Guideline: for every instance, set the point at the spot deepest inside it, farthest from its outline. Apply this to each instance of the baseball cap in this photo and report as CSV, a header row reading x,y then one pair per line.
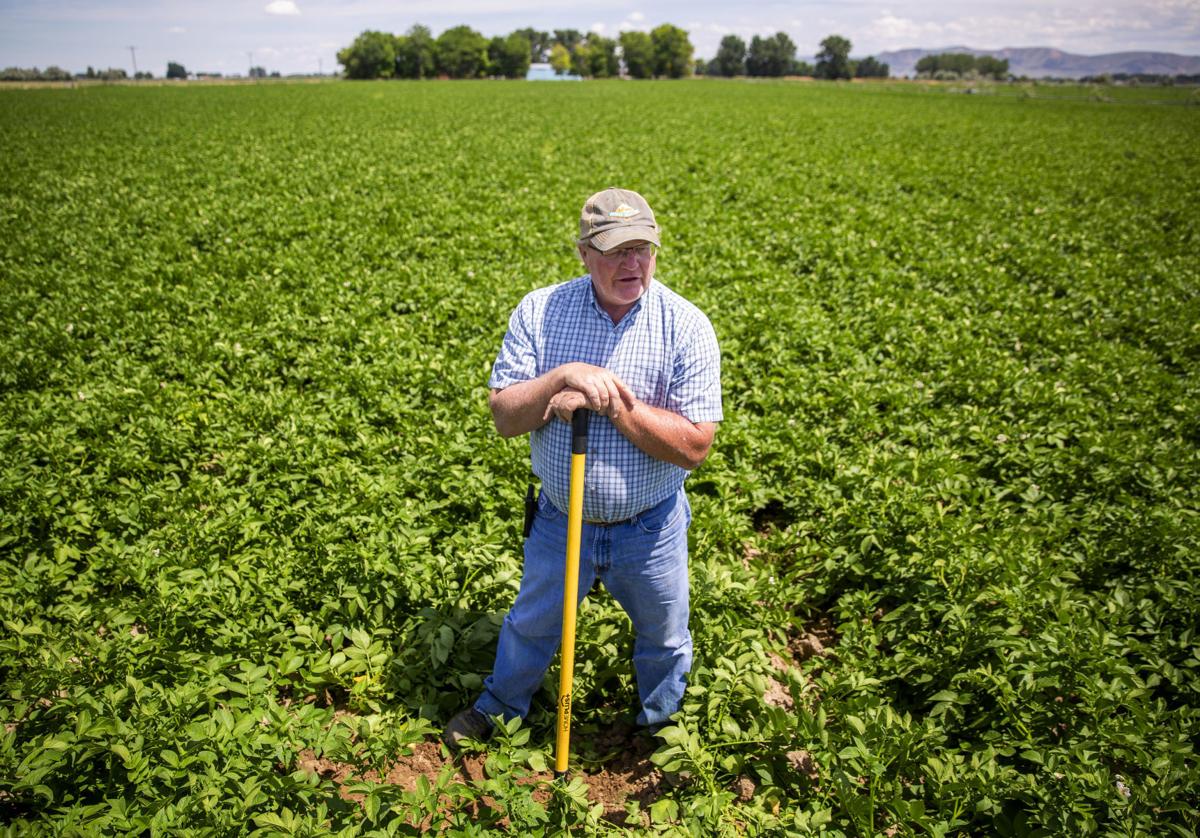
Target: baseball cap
x,y
614,216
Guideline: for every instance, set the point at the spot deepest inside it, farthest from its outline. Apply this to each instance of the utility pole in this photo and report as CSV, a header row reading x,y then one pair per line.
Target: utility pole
x,y
320,67
133,54
250,63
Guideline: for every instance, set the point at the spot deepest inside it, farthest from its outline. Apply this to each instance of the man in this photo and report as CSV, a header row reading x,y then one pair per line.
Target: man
x,y
646,362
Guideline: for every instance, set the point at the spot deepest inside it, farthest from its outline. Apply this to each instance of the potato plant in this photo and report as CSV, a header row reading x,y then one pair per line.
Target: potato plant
x,y
253,503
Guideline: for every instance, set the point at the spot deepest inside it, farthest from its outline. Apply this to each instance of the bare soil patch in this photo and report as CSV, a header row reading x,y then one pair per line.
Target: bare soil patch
x,y
627,774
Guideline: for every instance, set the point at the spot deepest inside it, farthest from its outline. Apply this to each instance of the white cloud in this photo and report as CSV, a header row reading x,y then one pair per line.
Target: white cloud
x,y
282,7
598,28
901,31
637,17
177,30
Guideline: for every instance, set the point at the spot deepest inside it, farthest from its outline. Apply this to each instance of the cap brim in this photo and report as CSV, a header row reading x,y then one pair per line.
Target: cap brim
x,y
617,236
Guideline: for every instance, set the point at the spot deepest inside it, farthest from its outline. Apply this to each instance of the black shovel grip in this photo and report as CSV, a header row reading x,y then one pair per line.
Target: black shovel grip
x,y
579,429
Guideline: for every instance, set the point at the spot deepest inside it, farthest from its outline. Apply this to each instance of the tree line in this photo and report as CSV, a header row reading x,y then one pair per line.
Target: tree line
x,y
665,52
959,65
56,73
775,55
463,53
175,70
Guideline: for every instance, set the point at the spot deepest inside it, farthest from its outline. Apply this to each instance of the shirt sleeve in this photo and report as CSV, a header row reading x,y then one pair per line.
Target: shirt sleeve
x,y
695,391
517,360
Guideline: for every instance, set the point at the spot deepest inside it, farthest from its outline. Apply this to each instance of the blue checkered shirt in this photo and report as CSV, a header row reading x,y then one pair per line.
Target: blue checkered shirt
x,y
664,349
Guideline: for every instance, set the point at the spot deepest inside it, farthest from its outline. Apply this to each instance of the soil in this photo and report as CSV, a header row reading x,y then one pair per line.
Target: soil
x,y
626,776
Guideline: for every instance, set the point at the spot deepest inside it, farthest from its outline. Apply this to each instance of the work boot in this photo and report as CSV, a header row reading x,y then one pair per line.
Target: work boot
x,y
468,724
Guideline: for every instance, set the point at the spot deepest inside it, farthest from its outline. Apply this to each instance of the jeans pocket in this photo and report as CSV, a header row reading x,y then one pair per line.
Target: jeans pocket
x,y
546,510
658,518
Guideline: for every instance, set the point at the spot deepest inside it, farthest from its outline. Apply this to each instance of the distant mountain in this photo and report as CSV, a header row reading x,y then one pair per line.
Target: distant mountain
x,y
1037,62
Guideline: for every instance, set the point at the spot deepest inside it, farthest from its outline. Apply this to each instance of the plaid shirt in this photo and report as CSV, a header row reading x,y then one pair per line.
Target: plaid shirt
x,y
664,349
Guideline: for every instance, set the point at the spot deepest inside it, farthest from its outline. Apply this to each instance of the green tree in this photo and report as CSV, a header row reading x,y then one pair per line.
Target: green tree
x,y
603,56
560,59
539,43
772,56
174,71
950,65
730,59
990,66
569,38
462,53
581,59
833,61
637,51
371,56
672,51
509,56
870,68
416,53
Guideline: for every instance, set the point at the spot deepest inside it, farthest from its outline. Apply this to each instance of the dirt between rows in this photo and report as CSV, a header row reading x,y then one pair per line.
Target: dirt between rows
x,y
627,776
630,776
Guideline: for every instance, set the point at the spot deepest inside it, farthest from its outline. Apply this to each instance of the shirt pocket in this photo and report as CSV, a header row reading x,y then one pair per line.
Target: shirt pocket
x,y
649,383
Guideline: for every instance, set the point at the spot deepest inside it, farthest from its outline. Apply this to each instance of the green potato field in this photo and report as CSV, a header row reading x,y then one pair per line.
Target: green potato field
x,y
258,531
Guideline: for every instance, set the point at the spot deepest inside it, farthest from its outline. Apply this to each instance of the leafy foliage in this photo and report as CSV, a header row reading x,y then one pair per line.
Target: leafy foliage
x,y
774,55
672,51
637,51
731,57
371,56
254,505
958,65
833,60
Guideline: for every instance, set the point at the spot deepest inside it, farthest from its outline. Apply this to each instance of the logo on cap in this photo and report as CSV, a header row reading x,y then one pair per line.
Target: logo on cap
x,y
623,211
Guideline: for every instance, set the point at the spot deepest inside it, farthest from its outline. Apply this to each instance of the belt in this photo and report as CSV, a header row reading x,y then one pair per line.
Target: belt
x,y
608,523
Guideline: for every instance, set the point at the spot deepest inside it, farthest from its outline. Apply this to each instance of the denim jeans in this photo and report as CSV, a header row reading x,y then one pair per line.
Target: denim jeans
x,y
643,564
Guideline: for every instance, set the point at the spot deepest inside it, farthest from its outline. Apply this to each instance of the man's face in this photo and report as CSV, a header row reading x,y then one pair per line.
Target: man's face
x,y
621,276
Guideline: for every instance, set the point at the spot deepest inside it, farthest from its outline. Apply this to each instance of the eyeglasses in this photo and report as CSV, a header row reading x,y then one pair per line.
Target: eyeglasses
x,y
641,251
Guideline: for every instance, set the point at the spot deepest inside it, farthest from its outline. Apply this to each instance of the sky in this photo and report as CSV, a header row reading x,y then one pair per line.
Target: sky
x,y
303,36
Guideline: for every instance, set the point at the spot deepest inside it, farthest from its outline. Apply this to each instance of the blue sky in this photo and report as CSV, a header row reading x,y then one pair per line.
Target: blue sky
x,y
305,35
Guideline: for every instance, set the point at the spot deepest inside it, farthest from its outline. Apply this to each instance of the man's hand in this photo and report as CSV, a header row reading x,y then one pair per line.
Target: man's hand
x,y
603,392
564,404
521,408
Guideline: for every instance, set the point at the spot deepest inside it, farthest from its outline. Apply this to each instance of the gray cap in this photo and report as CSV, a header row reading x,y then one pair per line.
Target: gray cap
x,y
615,216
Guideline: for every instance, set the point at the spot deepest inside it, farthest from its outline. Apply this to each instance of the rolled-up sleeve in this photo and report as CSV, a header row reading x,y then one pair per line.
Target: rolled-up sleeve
x,y
695,391
517,360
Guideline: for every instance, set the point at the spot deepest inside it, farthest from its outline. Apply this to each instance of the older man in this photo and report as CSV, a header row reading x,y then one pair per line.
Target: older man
x,y
646,361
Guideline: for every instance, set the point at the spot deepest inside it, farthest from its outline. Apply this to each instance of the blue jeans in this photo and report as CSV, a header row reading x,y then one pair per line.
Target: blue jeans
x,y
643,564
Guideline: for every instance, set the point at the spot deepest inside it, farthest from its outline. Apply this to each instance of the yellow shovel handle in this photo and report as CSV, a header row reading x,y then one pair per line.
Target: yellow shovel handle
x,y
566,675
